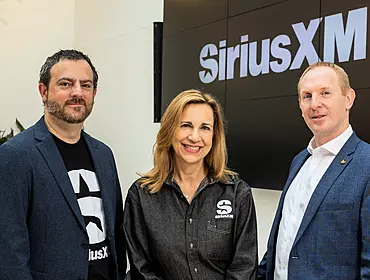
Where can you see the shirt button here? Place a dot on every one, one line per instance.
(190, 220)
(196, 270)
(191, 245)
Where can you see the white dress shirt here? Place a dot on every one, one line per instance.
(299, 194)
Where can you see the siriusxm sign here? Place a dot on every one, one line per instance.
(218, 62)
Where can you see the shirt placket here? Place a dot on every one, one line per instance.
(191, 231)
(191, 241)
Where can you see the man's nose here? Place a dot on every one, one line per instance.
(77, 89)
(315, 102)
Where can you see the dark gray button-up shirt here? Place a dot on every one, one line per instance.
(214, 237)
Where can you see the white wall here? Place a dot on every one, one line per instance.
(30, 30)
(117, 35)
(266, 202)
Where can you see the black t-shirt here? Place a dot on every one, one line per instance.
(79, 164)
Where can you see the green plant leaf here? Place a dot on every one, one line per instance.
(4, 137)
(20, 127)
(10, 135)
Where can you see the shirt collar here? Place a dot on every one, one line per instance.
(333, 146)
(208, 180)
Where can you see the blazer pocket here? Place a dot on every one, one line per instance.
(39, 275)
(336, 206)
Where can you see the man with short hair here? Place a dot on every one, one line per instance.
(61, 200)
(322, 225)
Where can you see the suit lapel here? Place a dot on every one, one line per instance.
(50, 153)
(101, 163)
(339, 163)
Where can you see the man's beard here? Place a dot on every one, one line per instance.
(79, 114)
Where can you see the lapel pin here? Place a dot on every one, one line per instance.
(343, 161)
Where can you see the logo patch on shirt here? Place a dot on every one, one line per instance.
(224, 209)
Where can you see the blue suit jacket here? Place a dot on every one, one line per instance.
(333, 241)
(42, 231)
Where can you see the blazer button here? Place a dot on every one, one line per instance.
(84, 246)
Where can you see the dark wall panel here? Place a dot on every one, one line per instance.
(250, 55)
(360, 114)
(180, 15)
(278, 77)
(263, 137)
(237, 7)
(181, 61)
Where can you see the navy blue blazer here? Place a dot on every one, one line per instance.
(42, 231)
(333, 241)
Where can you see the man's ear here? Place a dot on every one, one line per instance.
(95, 91)
(300, 105)
(350, 99)
(43, 90)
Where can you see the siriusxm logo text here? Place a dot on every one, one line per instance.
(98, 254)
(220, 62)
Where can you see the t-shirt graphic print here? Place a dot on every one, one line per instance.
(81, 172)
(86, 187)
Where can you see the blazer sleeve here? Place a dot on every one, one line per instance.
(245, 260)
(142, 266)
(14, 201)
(365, 232)
(262, 268)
